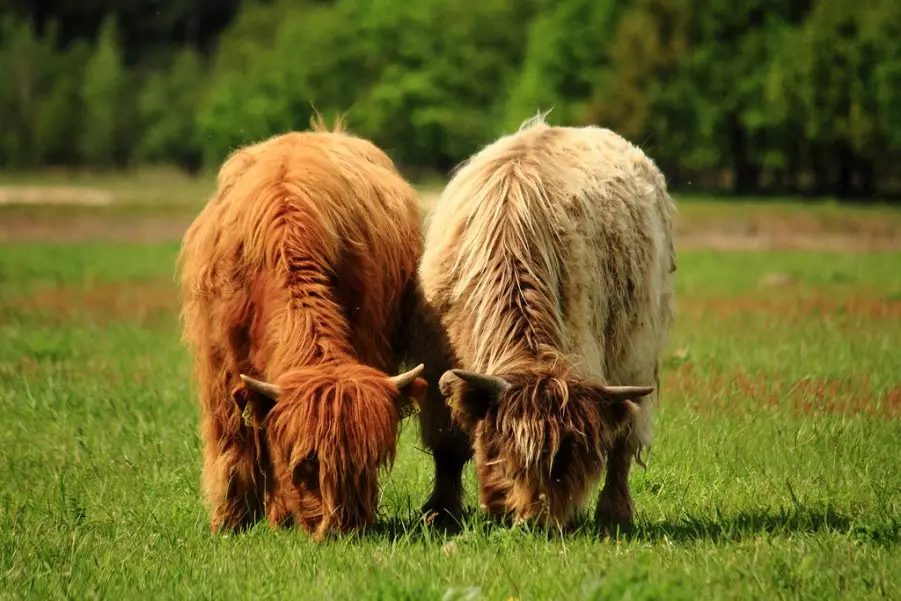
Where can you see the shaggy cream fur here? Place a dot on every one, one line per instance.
(548, 265)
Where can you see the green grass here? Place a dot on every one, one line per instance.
(773, 475)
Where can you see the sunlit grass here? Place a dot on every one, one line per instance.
(765, 480)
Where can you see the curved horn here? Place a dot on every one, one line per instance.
(401, 380)
(492, 384)
(265, 388)
(628, 393)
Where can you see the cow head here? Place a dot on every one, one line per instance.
(329, 430)
(540, 438)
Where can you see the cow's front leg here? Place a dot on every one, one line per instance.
(615, 507)
(232, 493)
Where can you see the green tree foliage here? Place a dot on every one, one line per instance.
(148, 28)
(444, 70)
(168, 106)
(425, 79)
(758, 95)
(727, 98)
(27, 65)
(105, 98)
(881, 30)
(58, 125)
(244, 102)
(566, 60)
(645, 95)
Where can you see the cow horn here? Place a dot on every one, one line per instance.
(492, 384)
(265, 388)
(628, 393)
(404, 379)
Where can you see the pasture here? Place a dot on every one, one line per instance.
(773, 474)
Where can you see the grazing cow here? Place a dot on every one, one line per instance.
(294, 279)
(546, 287)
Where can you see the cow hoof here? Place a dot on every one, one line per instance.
(442, 514)
(436, 514)
(614, 516)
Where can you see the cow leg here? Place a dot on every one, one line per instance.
(615, 506)
(451, 450)
(278, 508)
(446, 500)
(425, 340)
(231, 478)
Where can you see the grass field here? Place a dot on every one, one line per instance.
(773, 476)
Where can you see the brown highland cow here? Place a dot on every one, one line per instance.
(293, 279)
(546, 278)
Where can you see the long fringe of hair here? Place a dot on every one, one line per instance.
(350, 427)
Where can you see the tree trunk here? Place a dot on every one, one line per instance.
(794, 164)
(866, 173)
(844, 186)
(822, 169)
(746, 174)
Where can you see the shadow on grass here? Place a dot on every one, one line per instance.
(752, 523)
(417, 527)
(742, 525)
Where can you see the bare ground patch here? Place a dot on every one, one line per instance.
(142, 301)
(717, 240)
(721, 227)
(732, 228)
(801, 306)
(737, 392)
(730, 392)
(54, 195)
(93, 228)
(168, 228)
(774, 229)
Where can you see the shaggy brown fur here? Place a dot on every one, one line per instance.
(297, 272)
(547, 266)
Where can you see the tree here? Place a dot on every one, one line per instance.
(26, 69)
(57, 128)
(769, 94)
(168, 105)
(566, 57)
(835, 62)
(733, 48)
(149, 29)
(245, 100)
(443, 71)
(104, 96)
(641, 96)
(876, 117)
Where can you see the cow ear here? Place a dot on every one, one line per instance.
(253, 406)
(469, 398)
(411, 397)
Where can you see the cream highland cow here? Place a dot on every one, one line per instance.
(547, 293)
